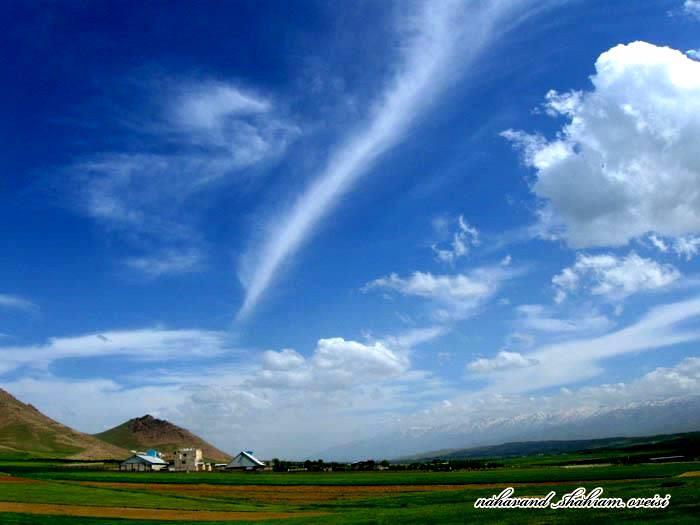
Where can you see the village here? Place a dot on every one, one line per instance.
(188, 459)
(191, 459)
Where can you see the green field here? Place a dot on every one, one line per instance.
(45, 492)
(500, 475)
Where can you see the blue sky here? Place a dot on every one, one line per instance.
(376, 214)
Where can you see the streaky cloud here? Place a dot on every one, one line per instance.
(448, 36)
(15, 302)
(580, 359)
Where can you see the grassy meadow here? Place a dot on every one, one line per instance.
(33, 492)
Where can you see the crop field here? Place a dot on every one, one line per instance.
(34, 493)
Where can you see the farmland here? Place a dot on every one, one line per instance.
(45, 492)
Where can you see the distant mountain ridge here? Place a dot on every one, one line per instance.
(526, 448)
(27, 433)
(667, 416)
(150, 432)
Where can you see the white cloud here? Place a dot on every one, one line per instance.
(462, 241)
(415, 337)
(687, 246)
(461, 294)
(95, 405)
(167, 263)
(285, 359)
(336, 355)
(692, 8)
(349, 382)
(538, 318)
(236, 128)
(574, 360)
(681, 380)
(150, 344)
(216, 131)
(209, 106)
(441, 287)
(338, 370)
(362, 387)
(232, 400)
(626, 162)
(338, 363)
(613, 277)
(658, 243)
(693, 53)
(225, 410)
(15, 302)
(294, 377)
(483, 417)
(256, 415)
(504, 360)
(444, 38)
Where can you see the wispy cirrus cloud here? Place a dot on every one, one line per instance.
(445, 38)
(539, 318)
(213, 132)
(148, 344)
(167, 263)
(581, 358)
(15, 302)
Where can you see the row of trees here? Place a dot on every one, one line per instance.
(319, 465)
(279, 465)
(447, 465)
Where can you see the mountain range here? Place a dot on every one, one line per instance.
(27, 433)
(674, 415)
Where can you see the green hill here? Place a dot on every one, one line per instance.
(27, 433)
(148, 432)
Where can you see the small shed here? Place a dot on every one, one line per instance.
(245, 460)
(143, 463)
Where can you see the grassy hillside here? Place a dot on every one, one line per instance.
(27, 433)
(149, 432)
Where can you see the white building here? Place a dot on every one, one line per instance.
(188, 460)
(143, 463)
(245, 460)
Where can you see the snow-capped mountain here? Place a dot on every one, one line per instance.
(651, 417)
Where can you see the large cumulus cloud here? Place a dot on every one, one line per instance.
(627, 161)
